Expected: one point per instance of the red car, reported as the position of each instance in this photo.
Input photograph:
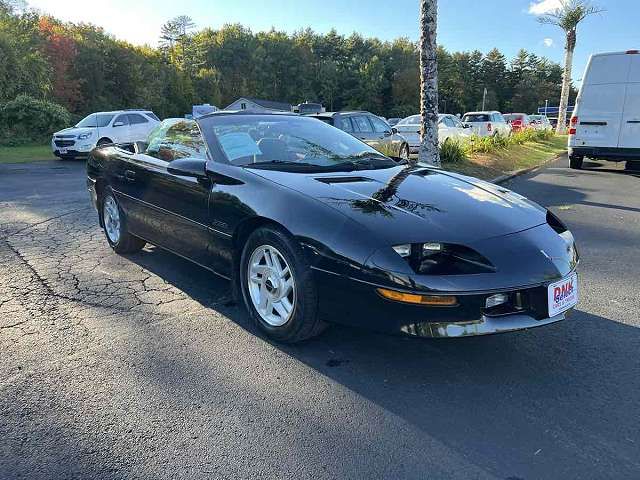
(518, 121)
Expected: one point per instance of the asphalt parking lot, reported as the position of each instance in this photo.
(138, 367)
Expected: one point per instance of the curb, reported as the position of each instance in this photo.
(508, 176)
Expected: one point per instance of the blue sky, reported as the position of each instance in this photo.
(463, 24)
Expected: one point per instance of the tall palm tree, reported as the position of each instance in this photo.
(567, 16)
(428, 152)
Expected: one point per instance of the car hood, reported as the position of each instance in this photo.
(407, 204)
(74, 131)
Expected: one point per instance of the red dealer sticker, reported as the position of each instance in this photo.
(563, 295)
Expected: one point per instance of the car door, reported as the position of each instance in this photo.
(364, 130)
(177, 206)
(120, 131)
(384, 138)
(630, 128)
(458, 130)
(444, 129)
(139, 127)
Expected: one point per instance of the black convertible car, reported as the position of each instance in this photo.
(313, 226)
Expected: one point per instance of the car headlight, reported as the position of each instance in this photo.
(433, 258)
(84, 136)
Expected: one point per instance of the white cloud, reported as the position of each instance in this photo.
(548, 42)
(540, 7)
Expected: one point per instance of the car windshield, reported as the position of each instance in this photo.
(288, 143)
(95, 120)
(472, 118)
(412, 120)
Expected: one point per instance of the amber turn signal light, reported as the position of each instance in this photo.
(432, 300)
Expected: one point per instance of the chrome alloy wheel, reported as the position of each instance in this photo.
(111, 218)
(271, 285)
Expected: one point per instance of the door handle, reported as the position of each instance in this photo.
(633, 121)
(130, 175)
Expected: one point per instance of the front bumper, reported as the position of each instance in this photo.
(485, 326)
(71, 147)
(353, 302)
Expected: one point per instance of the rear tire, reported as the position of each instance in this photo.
(114, 224)
(278, 288)
(576, 162)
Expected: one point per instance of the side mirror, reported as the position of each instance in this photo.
(388, 133)
(394, 130)
(466, 125)
(118, 124)
(188, 167)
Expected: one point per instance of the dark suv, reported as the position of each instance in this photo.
(369, 128)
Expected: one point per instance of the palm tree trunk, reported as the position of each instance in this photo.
(428, 152)
(561, 128)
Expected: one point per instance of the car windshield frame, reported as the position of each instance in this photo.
(235, 139)
(105, 120)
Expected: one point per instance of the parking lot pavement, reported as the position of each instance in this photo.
(137, 366)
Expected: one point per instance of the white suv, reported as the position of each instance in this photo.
(121, 126)
(487, 124)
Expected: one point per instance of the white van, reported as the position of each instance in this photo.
(606, 121)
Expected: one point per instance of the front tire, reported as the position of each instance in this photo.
(278, 288)
(114, 224)
(575, 162)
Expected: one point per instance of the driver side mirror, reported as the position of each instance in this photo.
(118, 124)
(188, 167)
(394, 130)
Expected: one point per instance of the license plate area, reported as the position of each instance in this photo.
(562, 295)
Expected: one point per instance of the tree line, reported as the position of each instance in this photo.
(84, 69)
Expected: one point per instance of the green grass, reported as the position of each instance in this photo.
(511, 158)
(27, 153)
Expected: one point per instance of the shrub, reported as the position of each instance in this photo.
(452, 151)
(28, 120)
(478, 144)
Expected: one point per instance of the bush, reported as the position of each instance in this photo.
(452, 151)
(530, 135)
(28, 120)
(478, 144)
